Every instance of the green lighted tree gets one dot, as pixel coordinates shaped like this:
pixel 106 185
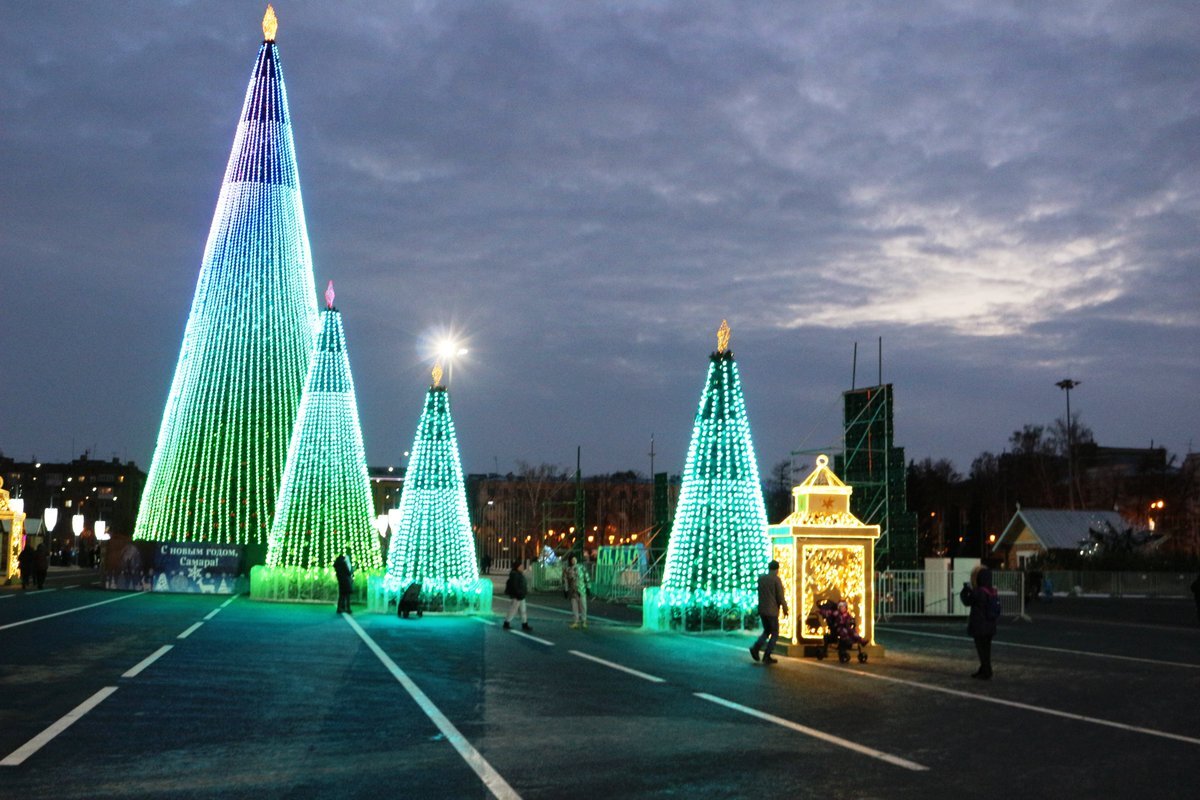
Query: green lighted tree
pixel 432 543
pixel 719 544
pixel 229 415
pixel 325 498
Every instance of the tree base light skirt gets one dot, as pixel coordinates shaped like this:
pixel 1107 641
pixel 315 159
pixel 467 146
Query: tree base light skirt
pixel 697 612
pixel 300 585
pixel 461 596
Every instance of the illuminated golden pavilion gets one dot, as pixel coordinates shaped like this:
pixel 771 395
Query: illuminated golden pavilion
pixel 825 554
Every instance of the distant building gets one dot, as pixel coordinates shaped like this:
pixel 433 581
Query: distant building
pixel 1039 532
pixel 108 490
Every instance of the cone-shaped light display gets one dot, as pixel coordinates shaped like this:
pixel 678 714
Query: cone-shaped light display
pixel 229 416
pixel 324 503
pixel 719 544
pixel 432 543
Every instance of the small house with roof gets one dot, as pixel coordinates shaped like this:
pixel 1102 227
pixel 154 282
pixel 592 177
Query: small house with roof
pixel 1038 532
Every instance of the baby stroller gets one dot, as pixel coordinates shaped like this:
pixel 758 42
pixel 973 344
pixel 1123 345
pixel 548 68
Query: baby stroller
pixel 843 632
pixel 410 601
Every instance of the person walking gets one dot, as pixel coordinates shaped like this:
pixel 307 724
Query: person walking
pixel 344 571
pixel 771 601
pixel 515 589
pixel 984 603
pixel 41 563
pixel 26 562
pixel 575 583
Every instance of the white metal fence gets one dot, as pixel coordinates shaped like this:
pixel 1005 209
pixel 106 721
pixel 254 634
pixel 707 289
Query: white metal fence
pixel 935 593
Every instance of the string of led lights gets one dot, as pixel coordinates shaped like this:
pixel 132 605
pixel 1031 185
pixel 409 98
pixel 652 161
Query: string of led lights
pixel 324 503
pixel 719 544
pixel 233 401
pixel 432 542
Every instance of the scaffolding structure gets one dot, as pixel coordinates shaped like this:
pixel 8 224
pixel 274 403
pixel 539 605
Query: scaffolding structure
pixel 875 467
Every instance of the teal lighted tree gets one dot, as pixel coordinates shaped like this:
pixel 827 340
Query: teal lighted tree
pixel 324 503
pixel 719 543
pixel 432 542
pixel 232 405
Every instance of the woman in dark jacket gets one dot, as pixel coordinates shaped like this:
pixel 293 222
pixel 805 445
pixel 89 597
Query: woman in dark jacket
pixel 981 625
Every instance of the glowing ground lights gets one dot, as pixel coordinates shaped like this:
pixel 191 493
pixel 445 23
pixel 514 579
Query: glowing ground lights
pixel 229 416
pixel 718 544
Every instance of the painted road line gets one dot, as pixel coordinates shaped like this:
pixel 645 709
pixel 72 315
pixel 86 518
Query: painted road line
pixel 591 617
pixel 636 673
pixel 816 734
pixel 189 631
pixel 227 602
pixel 484 621
pixel 1014 704
pixel 147 661
pixel 212 613
pixel 531 637
pixel 1002 643
pixel 18 756
pixel 69 610
pixel 492 779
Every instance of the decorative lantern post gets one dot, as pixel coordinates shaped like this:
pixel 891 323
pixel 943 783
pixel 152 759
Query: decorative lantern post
pixel 825 554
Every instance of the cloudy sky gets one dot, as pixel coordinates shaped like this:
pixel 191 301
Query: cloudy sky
pixel 1007 194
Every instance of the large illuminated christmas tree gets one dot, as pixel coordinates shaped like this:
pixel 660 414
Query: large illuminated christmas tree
pixel 229 416
pixel 324 503
pixel 432 543
pixel 719 544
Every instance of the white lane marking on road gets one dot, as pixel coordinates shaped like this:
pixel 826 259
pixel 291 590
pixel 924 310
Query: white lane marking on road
pixel 18 756
pixel 1002 643
pixel 492 779
pixel 843 670
pixel 1016 704
pixel 69 610
pixel 816 734
pixel 68 588
pixel 189 631
pixel 7 596
pixel 591 617
pixel 227 602
pixel 636 673
pixel 532 638
pixel 212 613
pixel 484 621
pixel 147 661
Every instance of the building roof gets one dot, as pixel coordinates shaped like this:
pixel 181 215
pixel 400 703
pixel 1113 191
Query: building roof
pixel 1057 529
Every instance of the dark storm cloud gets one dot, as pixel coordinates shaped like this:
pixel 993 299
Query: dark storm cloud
pixel 1005 193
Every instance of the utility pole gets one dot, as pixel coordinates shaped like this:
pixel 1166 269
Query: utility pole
pixel 1067 384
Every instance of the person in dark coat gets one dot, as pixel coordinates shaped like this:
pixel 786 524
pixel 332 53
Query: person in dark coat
pixel 26 563
pixel 516 589
pixel 980 624
pixel 41 562
pixel 771 601
pixel 345 578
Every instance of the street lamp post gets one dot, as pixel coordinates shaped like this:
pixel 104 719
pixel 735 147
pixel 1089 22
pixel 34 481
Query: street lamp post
pixel 77 528
pixel 1067 384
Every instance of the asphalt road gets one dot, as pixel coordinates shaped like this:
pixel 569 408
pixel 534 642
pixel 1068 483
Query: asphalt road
pixel 176 696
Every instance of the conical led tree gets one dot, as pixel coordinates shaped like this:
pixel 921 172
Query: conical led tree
pixel 719 544
pixel 229 416
pixel 324 503
pixel 432 543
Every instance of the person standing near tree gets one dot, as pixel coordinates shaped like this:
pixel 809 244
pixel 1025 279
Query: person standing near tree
pixel 25 562
pixel 771 600
pixel 515 589
pixel 345 581
pixel 575 582
pixel 984 603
